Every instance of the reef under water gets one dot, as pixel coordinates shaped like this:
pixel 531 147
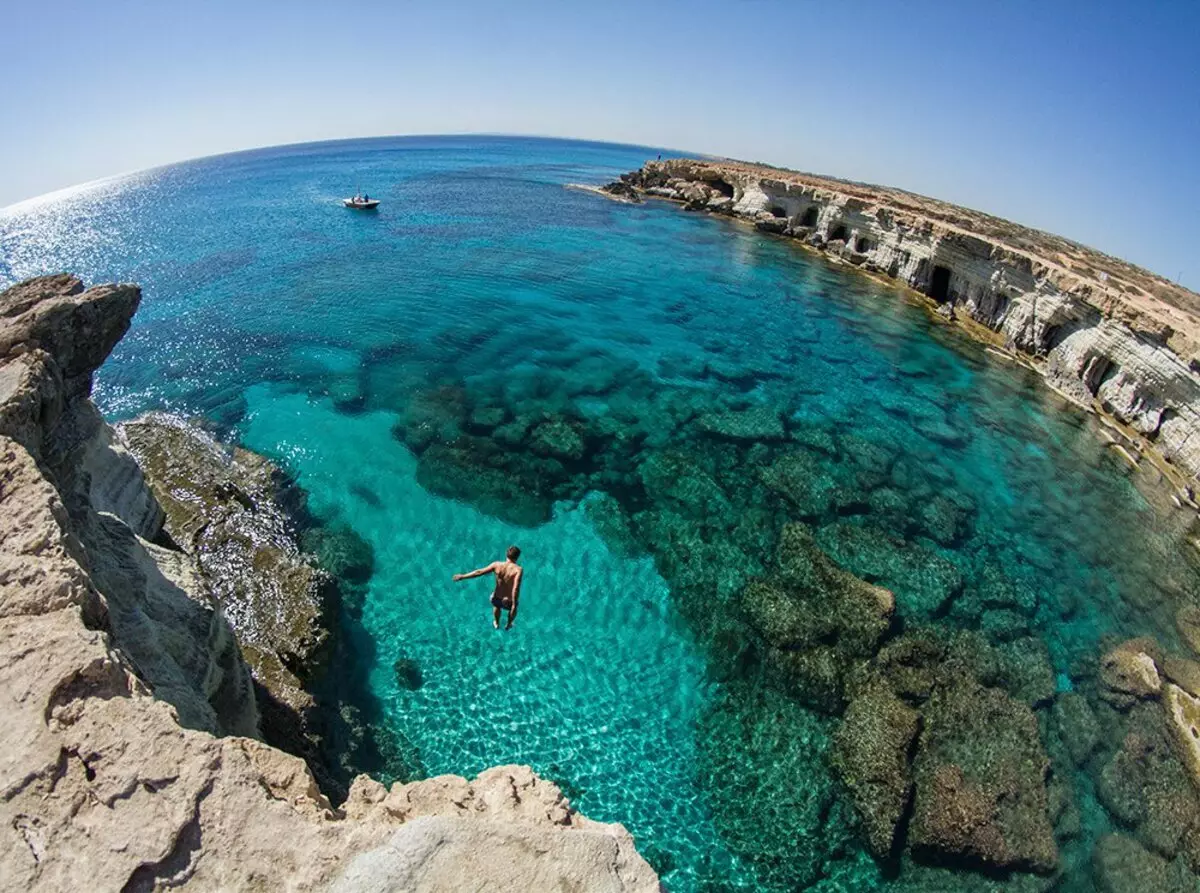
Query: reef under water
pixel 819 594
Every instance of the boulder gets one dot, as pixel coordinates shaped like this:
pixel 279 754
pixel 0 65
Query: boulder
pixel 800 477
pixel 622 190
pixel 1187 621
pixel 463 472
pixel 558 438
pixel 942 520
pixel 924 582
pixel 1122 865
pixel 909 666
pixel 861 611
pixel 1077 726
pixel 341 552
pixel 433 416
pixel 613 525
pixel 1129 673
pixel 1022 667
pixel 486 417
pixel 408 673
pixel 761 423
pixel 817 620
pixel 872 750
pixel 678 480
pixel 1183 721
pixel 980 775
pixel 1184 673
pixel 1146 787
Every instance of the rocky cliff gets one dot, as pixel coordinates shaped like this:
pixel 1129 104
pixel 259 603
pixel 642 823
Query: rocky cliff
pixel 1103 332
pixel 130 758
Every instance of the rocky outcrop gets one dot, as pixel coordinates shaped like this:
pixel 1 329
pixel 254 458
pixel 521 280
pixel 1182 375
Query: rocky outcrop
pixel 1129 672
pixel 816 620
pixel 129 757
pixel 980 773
pixel 1104 332
pixel 872 753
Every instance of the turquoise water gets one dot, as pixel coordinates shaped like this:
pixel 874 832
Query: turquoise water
pixel 492 358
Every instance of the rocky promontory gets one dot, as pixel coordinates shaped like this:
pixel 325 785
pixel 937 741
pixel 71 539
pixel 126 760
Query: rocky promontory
pixel 1103 332
pixel 132 750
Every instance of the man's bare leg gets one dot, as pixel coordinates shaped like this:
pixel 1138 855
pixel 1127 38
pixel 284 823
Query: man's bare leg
pixel 512 615
pixel 496 618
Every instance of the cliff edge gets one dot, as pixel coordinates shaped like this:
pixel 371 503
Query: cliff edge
pixel 131 757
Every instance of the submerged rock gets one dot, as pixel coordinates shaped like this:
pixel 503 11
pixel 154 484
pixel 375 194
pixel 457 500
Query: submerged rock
pixel 1129 673
pixel 1122 865
pixel 1187 621
pixel 434 415
pixel 1077 725
pixel 758 424
pixel 924 582
pixel 460 472
pixel 1183 720
pixel 613 525
pixel 800 478
pixel 675 479
pixel 557 437
pixel 341 552
pixel 980 774
pixel 872 749
pixel 942 520
pixel 1146 787
pixel 408 673
pixel 817 620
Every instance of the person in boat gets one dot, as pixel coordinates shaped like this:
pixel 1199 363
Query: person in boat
pixel 507 593
pixel 366 198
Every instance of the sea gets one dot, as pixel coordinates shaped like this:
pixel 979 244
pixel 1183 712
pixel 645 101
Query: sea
pixel 495 358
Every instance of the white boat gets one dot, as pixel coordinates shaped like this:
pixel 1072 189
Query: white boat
pixel 361 202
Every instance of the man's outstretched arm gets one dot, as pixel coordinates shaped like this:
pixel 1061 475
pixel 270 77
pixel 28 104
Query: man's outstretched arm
pixel 479 573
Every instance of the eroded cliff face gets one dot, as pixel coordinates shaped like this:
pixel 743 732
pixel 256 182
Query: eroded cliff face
pixel 1103 332
pixel 129 755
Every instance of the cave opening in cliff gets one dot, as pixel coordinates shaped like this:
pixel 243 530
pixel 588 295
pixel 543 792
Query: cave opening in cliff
pixel 863 245
pixel 839 232
pixel 810 217
pixel 939 284
pixel 726 189
pixel 777 211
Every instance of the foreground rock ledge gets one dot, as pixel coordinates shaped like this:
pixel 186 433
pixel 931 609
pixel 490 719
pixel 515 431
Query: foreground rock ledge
pixel 1103 332
pixel 101 787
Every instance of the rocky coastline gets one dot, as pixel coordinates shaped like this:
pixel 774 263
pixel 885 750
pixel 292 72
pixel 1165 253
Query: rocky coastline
pixel 1107 335
pixel 161 627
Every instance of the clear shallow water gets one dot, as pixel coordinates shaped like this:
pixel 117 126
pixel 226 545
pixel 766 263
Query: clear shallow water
pixel 363 350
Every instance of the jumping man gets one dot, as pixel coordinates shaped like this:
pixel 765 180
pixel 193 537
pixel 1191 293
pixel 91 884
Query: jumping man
pixel 508 585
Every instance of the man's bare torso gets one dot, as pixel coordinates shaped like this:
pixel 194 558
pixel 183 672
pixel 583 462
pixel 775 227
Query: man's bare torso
pixel 506 578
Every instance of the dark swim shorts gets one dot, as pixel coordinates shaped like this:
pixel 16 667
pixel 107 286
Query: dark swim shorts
pixel 503 602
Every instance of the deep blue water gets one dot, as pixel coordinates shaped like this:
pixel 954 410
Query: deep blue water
pixel 364 352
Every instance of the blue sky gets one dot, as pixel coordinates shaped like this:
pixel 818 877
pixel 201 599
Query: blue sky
pixel 1078 117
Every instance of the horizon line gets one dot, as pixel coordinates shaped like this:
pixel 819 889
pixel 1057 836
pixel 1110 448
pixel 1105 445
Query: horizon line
pixel 67 191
